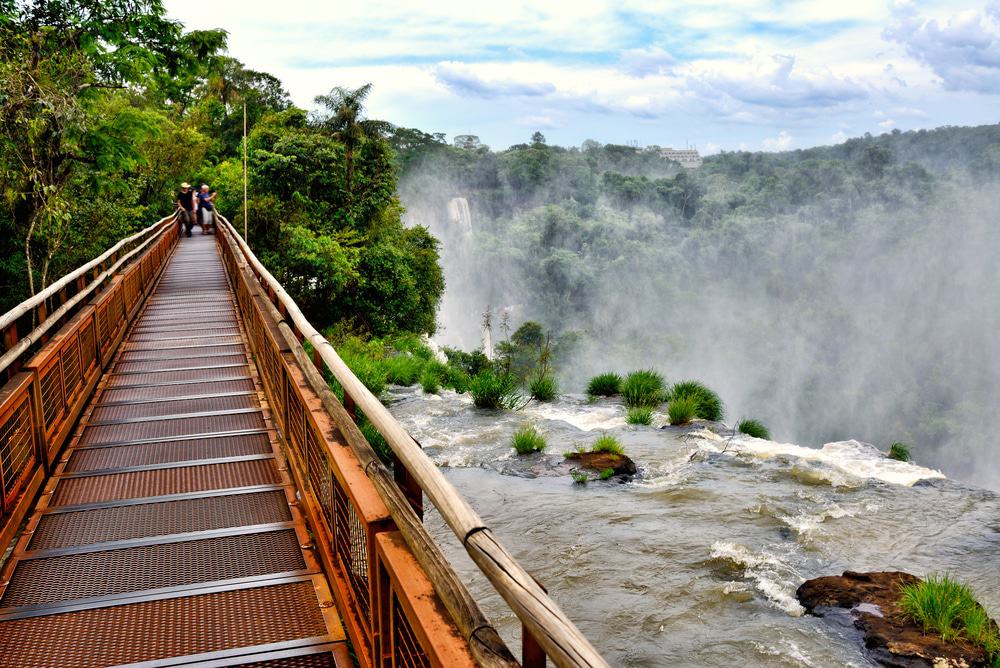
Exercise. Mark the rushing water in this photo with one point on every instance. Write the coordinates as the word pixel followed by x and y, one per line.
pixel 696 561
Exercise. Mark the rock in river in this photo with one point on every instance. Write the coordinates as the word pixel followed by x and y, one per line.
pixel 870 602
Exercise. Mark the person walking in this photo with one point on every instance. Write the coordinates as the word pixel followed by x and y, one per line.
pixel 206 205
pixel 188 205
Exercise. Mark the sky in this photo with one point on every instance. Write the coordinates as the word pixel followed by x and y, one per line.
pixel 731 75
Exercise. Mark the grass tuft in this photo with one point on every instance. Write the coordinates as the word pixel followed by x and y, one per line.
pixel 604 385
pixel 404 369
pixel 496 390
pixel 430 383
pixel 606 473
pixel 640 415
pixel 949 608
pixel 682 410
pixel 527 440
pixel 754 428
pixel 899 452
pixel 708 406
pixel 543 388
pixel 369 371
pixel 642 388
pixel 580 477
pixel 608 443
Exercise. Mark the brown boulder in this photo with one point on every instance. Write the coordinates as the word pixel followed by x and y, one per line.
pixel 601 461
pixel 872 602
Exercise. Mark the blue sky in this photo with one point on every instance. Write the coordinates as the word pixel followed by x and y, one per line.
pixel 716 75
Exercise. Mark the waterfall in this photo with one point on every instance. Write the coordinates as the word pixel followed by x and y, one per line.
pixel 459 214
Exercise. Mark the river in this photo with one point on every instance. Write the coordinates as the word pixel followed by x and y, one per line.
pixel 696 560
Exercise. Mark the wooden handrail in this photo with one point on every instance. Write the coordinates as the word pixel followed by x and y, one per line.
pixel 541 616
pixel 25 307
pixel 22 309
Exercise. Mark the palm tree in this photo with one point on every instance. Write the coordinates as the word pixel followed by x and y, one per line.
pixel 347 123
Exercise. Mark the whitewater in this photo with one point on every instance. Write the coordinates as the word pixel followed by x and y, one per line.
pixel 695 561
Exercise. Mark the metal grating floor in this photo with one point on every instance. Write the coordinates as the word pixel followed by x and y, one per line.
pixel 166 534
pixel 100 525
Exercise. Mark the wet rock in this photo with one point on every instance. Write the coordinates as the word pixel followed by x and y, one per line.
pixel 871 601
pixel 601 461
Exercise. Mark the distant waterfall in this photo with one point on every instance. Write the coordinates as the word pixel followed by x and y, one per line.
pixel 459 214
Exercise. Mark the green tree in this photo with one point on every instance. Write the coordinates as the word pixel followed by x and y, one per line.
pixel 345 119
pixel 59 62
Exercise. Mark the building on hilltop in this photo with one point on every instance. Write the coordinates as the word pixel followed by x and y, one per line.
pixel 687 157
pixel 470 142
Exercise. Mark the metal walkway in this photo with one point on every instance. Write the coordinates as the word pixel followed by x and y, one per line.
pixel 169 533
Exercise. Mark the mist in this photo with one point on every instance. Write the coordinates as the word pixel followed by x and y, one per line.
pixel 854 313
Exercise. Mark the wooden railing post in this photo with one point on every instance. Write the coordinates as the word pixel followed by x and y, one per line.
pixel 410 486
pixel 532 654
pixel 10 339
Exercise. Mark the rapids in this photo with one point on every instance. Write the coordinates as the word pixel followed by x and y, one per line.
pixel 695 562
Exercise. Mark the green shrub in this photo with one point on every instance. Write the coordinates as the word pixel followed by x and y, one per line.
pixel 608 443
pixel 457 379
pixel 899 451
pixel 949 608
pixel 606 473
pixel 413 344
pixel 497 390
pixel 580 477
pixel 471 363
pixel 640 415
pixel 543 388
pixel 430 383
pixel 754 428
pixel 369 371
pixel 527 440
pixel 404 369
pixel 642 388
pixel 708 406
pixel 604 385
pixel 682 410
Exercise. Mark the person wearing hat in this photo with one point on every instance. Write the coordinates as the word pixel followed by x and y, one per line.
pixel 188 205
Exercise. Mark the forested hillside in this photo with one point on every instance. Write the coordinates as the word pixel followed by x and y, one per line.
pixel 107 106
pixel 830 291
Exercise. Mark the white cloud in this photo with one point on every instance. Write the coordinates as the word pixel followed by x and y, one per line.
pixel 782 142
pixel 838 137
pixel 464 81
pixel 661 71
pixel 646 61
pixel 774 81
pixel 537 122
pixel 963 50
pixel 887 124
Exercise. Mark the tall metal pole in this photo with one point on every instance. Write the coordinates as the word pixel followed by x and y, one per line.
pixel 245 172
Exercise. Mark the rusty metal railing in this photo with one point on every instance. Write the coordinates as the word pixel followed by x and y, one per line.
pixel 400 600
pixel 55 347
